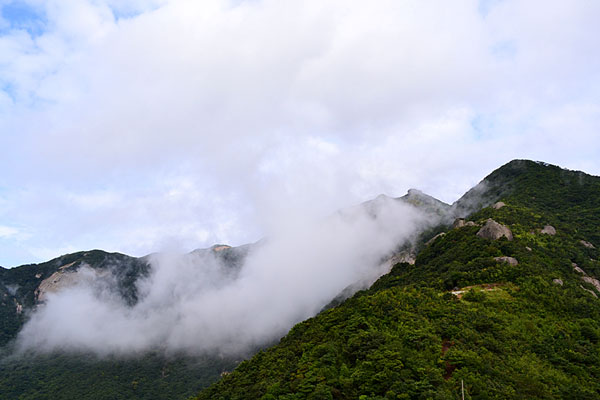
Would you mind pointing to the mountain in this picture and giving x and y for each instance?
(505, 302)
(81, 373)
(68, 375)
(22, 288)
(461, 302)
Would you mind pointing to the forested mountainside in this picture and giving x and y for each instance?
(505, 301)
(83, 375)
(23, 287)
(511, 318)
(150, 374)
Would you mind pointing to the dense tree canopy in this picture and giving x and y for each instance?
(529, 330)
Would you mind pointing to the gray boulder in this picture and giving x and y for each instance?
(458, 223)
(494, 231)
(510, 260)
(587, 244)
(548, 230)
(498, 205)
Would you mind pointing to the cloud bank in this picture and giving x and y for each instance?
(178, 123)
(193, 303)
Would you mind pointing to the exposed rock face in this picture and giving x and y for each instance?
(587, 244)
(577, 269)
(510, 260)
(58, 280)
(593, 281)
(458, 223)
(557, 281)
(548, 230)
(434, 238)
(222, 247)
(498, 205)
(402, 257)
(494, 231)
(589, 291)
(64, 278)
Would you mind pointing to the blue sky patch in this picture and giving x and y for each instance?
(9, 89)
(21, 15)
(483, 126)
(124, 13)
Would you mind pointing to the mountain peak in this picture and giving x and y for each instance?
(425, 202)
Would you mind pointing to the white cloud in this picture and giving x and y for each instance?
(7, 231)
(259, 106)
(192, 303)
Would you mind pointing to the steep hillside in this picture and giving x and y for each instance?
(22, 288)
(513, 313)
(68, 375)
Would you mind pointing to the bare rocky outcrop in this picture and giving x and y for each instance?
(54, 283)
(548, 230)
(588, 279)
(595, 282)
(587, 244)
(589, 291)
(64, 278)
(498, 205)
(458, 223)
(557, 281)
(402, 257)
(220, 247)
(509, 260)
(434, 238)
(577, 269)
(493, 230)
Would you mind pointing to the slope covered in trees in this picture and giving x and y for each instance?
(464, 312)
(84, 375)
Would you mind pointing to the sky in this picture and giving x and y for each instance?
(154, 125)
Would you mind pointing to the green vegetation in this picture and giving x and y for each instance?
(512, 334)
(457, 314)
(84, 376)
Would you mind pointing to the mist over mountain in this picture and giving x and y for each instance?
(224, 300)
(199, 314)
(502, 303)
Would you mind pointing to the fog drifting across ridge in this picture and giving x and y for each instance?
(192, 303)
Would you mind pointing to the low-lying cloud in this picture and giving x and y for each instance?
(195, 304)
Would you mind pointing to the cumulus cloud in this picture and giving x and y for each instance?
(195, 304)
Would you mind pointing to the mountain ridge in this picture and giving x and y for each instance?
(535, 195)
(510, 318)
